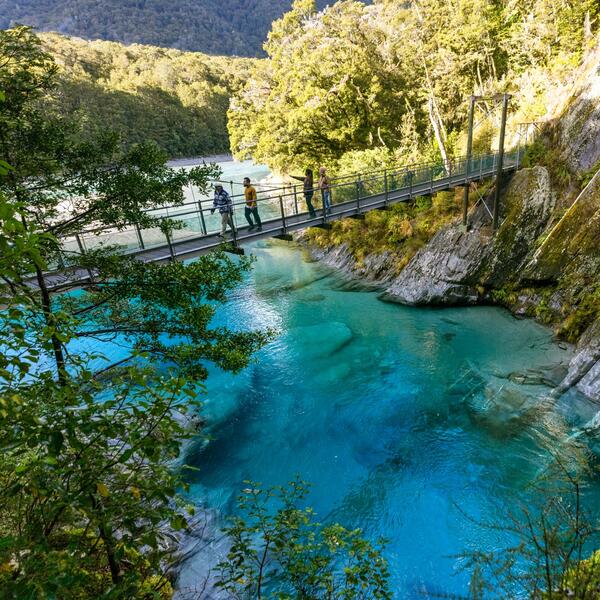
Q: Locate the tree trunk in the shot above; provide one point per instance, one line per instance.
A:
(438, 131)
(113, 563)
(108, 542)
(57, 349)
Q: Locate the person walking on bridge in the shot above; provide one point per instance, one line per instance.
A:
(325, 187)
(308, 184)
(222, 202)
(251, 209)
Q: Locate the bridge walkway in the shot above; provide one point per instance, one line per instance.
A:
(281, 212)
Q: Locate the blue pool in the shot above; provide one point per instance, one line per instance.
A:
(402, 419)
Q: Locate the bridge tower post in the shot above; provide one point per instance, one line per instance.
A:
(500, 163)
(468, 165)
(386, 186)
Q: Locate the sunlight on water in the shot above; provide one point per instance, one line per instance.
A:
(396, 415)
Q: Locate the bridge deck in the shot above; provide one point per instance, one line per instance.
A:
(281, 226)
(286, 217)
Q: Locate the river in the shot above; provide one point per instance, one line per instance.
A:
(404, 420)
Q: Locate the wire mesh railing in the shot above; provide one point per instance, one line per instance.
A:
(279, 207)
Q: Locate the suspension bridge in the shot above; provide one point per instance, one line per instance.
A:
(283, 210)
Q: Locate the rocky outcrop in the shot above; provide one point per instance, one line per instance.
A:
(444, 271)
(578, 113)
(584, 368)
(458, 266)
(375, 268)
(572, 247)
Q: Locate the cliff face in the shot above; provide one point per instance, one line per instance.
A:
(460, 267)
(544, 261)
(557, 282)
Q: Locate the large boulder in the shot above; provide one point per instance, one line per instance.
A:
(457, 265)
(584, 368)
(443, 272)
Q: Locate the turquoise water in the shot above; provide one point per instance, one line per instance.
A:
(396, 415)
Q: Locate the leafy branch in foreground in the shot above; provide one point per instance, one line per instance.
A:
(278, 550)
(90, 482)
(554, 535)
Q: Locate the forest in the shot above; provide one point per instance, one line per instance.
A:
(94, 479)
(233, 27)
(360, 86)
(177, 99)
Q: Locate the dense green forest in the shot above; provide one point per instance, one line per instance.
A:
(231, 27)
(358, 86)
(177, 99)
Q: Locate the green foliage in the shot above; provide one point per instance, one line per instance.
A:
(89, 500)
(396, 77)
(544, 153)
(586, 177)
(326, 90)
(585, 309)
(86, 490)
(587, 570)
(402, 229)
(177, 99)
(232, 27)
(278, 550)
(505, 296)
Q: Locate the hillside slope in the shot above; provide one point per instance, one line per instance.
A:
(177, 99)
(229, 27)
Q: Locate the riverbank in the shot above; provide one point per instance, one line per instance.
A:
(555, 280)
(194, 161)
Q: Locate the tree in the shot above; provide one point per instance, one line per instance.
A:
(177, 99)
(326, 90)
(358, 77)
(89, 501)
(219, 28)
(554, 533)
(279, 551)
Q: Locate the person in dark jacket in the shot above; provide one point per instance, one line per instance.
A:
(308, 184)
(222, 202)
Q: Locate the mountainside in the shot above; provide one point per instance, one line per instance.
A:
(230, 27)
(177, 99)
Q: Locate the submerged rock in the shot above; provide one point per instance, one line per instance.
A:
(504, 411)
(320, 341)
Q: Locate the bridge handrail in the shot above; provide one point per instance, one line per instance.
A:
(410, 171)
(361, 174)
(420, 177)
